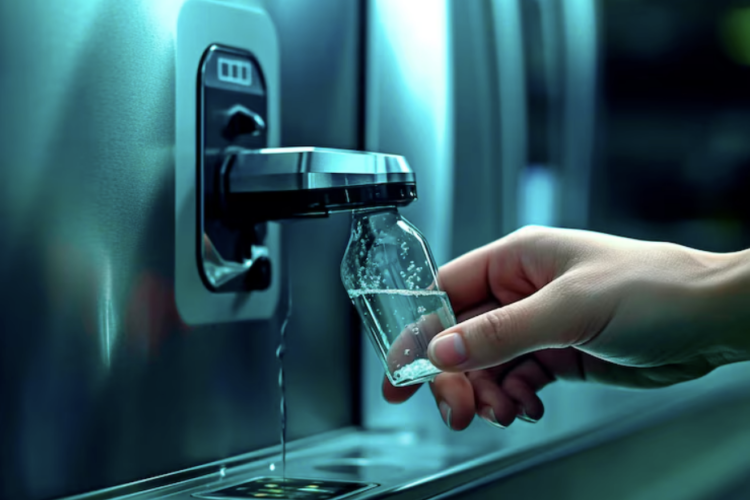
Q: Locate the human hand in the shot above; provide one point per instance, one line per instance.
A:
(581, 306)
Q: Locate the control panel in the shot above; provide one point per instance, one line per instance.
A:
(227, 268)
(233, 114)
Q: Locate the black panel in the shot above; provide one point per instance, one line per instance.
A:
(229, 81)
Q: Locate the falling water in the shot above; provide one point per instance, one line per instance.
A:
(280, 355)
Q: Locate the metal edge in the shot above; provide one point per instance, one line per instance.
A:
(164, 481)
(603, 434)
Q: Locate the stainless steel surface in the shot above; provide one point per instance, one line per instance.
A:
(220, 271)
(579, 51)
(433, 96)
(649, 445)
(298, 169)
(510, 64)
(203, 27)
(101, 383)
(689, 452)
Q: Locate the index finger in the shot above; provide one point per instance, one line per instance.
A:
(466, 279)
(499, 270)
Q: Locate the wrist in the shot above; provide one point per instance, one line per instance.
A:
(726, 296)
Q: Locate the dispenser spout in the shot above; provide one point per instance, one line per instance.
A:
(243, 189)
(273, 184)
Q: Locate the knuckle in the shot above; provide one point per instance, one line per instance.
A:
(576, 285)
(528, 232)
(532, 232)
(496, 328)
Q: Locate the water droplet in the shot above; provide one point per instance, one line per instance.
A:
(223, 471)
(272, 467)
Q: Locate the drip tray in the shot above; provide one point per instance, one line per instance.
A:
(289, 488)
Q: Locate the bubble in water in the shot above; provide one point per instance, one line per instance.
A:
(404, 250)
(272, 467)
(416, 369)
(421, 309)
(223, 471)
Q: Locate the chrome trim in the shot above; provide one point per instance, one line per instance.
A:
(290, 169)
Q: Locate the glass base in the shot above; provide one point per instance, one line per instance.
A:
(417, 372)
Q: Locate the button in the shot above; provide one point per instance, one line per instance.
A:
(242, 121)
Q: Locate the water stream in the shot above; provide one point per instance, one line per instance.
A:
(282, 387)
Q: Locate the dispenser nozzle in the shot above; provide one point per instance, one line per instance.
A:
(284, 183)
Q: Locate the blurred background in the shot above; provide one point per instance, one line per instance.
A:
(624, 116)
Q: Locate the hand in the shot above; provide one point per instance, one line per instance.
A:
(545, 304)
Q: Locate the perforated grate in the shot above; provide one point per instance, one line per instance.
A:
(289, 488)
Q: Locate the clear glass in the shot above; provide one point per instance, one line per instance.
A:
(391, 277)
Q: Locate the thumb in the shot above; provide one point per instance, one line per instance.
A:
(547, 319)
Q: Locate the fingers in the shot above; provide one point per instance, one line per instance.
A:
(552, 317)
(522, 385)
(508, 269)
(412, 342)
(465, 279)
(406, 342)
(454, 396)
(492, 403)
(499, 396)
(397, 395)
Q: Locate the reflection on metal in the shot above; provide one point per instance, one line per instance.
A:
(511, 77)
(409, 111)
(102, 384)
(580, 49)
(537, 194)
(308, 169)
(410, 103)
(428, 469)
(220, 271)
(107, 313)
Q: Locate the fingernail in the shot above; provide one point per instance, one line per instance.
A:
(445, 411)
(522, 416)
(448, 350)
(488, 415)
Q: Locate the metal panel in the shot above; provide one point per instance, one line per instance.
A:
(100, 382)
(409, 112)
(201, 24)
